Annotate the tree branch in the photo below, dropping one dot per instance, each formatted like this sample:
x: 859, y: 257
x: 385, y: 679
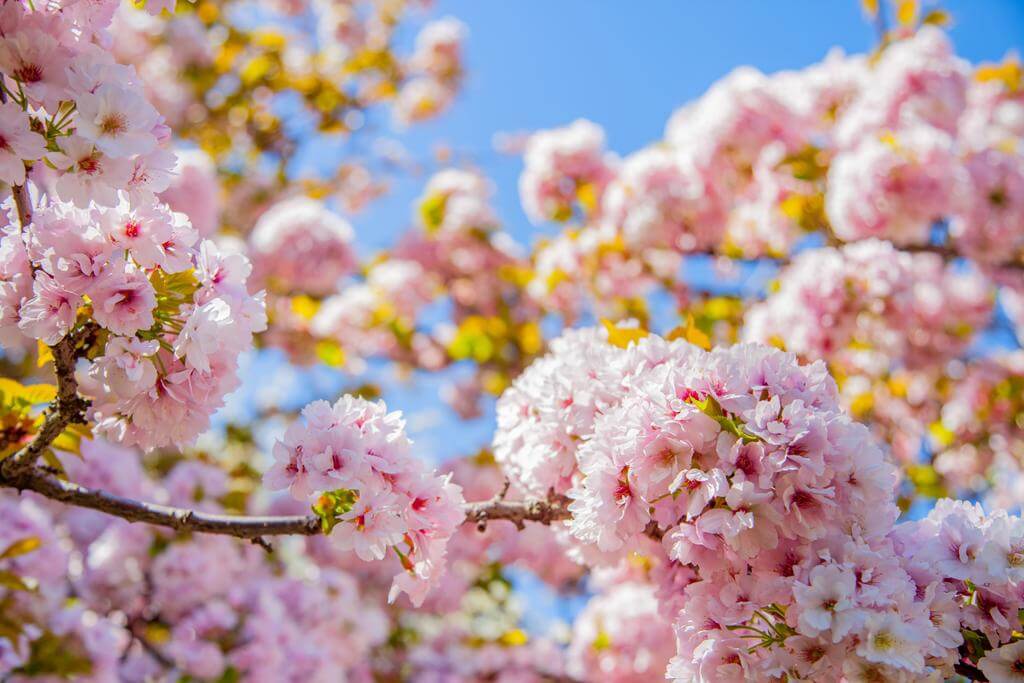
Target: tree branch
x: 182, y: 519
x: 23, y: 204
x: 946, y: 252
x: 68, y: 408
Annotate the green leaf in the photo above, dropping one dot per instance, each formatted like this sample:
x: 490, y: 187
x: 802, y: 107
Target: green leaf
x: 333, y: 504
x: 927, y: 482
x: 172, y: 290
x: 432, y: 211
x: 729, y: 423
x: 51, y: 459
x: 230, y: 675
x: 330, y: 353
x: 602, y: 641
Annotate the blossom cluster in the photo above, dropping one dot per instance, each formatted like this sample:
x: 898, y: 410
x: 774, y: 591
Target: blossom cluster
x: 550, y: 410
x: 299, y: 245
x: 866, y: 303
x: 174, y: 310
x: 912, y: 148
x: 436, y: 66
x: 979, y: 436
x: 563, y: 168
x: 620, y: 636
x: 780, y: 509
x: 73, y: 105
x: 353, y: 461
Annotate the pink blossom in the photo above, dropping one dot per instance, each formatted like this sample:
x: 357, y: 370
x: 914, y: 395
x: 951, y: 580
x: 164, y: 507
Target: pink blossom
x: 18, y: 143
x: 300, y: 245
x: 438, y: 47
x: 123, y: 300
x: 661, y: 198
x: 87, y: 174
x: 118, y: 120
x: 894, y: 187
x: 916, y: 81
x: 564, y: 168
x: 51, y: 311
x: 193, y: 191
x: 620, y: 637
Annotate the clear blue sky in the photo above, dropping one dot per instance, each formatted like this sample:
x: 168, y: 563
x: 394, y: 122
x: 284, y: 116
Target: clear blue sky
x: 625, y: 65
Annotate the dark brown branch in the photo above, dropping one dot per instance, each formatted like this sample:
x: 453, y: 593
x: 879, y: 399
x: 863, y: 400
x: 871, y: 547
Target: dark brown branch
x: 138, y: 636
x: 969, y: 671
x: 554, y: 509
x: 253, y: 528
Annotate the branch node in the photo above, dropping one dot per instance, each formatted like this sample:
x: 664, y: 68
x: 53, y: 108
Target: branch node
x: 263, y: 543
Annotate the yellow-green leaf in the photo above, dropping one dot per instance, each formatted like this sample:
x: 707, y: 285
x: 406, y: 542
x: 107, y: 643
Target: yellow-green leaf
x: 691, y: 333
x: 941, y: 434
x: 906, y: 12
x: 45, y: 354
x: 14, y: 582
x: 21, y: 547
x: 330, y: 353
x: 51, y: 459
x: 926, y: 481
x: 938, y: 17
x: 305, y: 307
x: 623, y: 336
x: 515, y: 637
x: 432, y: 211
x: 32, y: 394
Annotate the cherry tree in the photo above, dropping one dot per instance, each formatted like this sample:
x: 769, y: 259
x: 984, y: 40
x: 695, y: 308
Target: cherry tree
x: 819, y: 481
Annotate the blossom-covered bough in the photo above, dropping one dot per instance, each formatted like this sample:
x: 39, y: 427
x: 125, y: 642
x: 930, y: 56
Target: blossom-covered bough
x: 757, y: 493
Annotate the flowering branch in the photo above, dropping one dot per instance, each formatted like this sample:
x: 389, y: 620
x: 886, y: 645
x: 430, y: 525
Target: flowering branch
x: 249, y: 527
x: 20, y: 472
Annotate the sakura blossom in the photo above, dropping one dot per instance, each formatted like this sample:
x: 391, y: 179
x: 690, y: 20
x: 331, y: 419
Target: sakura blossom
x: 563, y: 167
x: 358, y: 455
x: 300, y: 244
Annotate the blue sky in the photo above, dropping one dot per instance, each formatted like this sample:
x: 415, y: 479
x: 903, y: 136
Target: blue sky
x: 625, y: 65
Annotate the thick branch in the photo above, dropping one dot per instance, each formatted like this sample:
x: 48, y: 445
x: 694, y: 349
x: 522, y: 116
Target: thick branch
x: 181, y: 519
